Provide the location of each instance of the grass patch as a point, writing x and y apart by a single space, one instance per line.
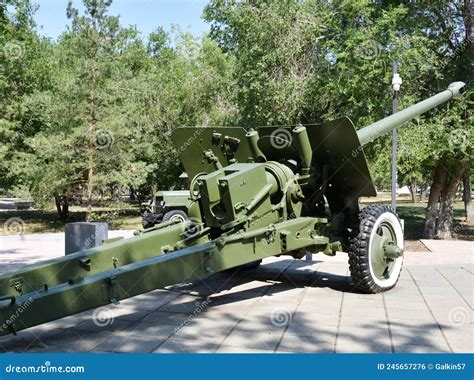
414 216
128 217
41 221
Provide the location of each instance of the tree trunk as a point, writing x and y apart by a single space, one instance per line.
57 201
445 221
422 192
90 159
90 152
91 136
132 194
467 194
66 208
413 191
468 15
62 207
439 181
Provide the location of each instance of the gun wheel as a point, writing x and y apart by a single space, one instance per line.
175 215
376 253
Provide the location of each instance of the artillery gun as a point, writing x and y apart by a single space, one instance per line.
253 194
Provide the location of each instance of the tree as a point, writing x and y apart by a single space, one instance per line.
24 69
315 60
101 124
97 60
187 84
82 144
453 145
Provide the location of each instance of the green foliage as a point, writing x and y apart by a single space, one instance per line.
317 60
25 67
103 98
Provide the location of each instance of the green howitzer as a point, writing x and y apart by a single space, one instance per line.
383 126
275 191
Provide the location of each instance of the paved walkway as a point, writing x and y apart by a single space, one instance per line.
284 306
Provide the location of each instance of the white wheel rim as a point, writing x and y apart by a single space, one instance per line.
392 220
178 217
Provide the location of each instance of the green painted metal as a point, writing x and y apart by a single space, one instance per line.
252 140
228 144
70 268
114 284
174 199
336 157
278 190
383 126
383 250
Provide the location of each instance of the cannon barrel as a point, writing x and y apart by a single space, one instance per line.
385 125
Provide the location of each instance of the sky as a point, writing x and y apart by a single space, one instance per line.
145 14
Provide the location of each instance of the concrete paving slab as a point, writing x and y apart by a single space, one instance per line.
196 334
226 322
405 305
454 247
121 343
311 330
460 338
71 340
318 342
178 346
308 318
148 330
261 341
375 339
241 350
402 315
433 338
166 318
411 349
358 312
349 345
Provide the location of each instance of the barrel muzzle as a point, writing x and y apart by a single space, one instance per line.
457 89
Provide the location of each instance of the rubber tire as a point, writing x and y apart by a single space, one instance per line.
359 250
170 214
149 220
